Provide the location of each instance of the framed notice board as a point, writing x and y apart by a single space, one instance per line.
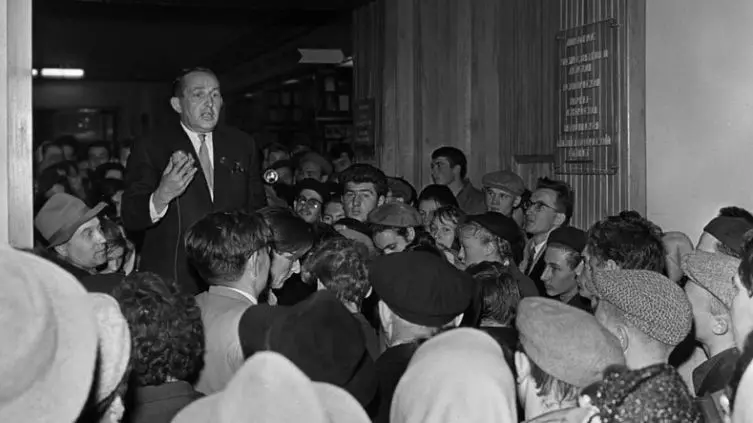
589 84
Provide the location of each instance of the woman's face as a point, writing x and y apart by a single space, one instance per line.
426 208
443 232
472 250
389 242
284 265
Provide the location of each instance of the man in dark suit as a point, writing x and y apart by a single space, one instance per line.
184 171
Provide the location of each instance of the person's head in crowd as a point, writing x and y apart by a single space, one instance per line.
98 153
342 156
72 230
312 165
310 197
623 241
231 249
69 145
109 191
742 304
108 171
646 311
564 262
448 166
166 328
51 154
400 191
273 153
710 290
725 232
292 238
49 350
676 246
284 169
75 178
364 189
197 99
333 210
551 207
458 376
490 237
300 146
124 152
420 294
51 181
340 265
503 191
433 197
499 292
83 167
397 227
356 230
562 350
120 253
443 227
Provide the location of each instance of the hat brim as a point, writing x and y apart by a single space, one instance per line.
61 393
65 234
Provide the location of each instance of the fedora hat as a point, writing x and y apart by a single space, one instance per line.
49 341
61 216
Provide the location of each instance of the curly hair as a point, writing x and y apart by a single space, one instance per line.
501 245
360 173
628 239
166 329
342 266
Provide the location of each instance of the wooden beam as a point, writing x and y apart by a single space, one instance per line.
636 67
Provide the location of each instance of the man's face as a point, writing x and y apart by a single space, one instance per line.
309 170
708 243
333 212
284 265
499 201
308 205
541 217
341 163
558 277
472 250
442 173
87 247
443 232
98 156
360 199
200 103
427 208
389 242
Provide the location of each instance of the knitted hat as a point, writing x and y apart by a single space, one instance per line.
421 287
399 215
729 231
566 342
650 301
713 272
506 181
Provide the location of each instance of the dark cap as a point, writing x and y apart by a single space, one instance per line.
421 287
401 188
570 237
729 231
319 187
506 181
499 225
397 215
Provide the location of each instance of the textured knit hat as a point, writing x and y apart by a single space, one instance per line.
506 181
398 215
61 216
653 394
421 287
566 342
713 272
570 237
650 301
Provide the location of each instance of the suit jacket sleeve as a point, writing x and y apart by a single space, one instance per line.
257 197
141 180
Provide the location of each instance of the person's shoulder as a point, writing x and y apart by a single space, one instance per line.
227 131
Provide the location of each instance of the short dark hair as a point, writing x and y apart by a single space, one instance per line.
439 193
499 291
166 329
290 233
342 266
361 173
454 156
572 257
341 148
220 244
628 239
565 201
99 144
179 83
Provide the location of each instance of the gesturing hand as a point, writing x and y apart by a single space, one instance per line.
178 174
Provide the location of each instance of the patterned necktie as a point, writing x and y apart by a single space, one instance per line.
531 258
206 163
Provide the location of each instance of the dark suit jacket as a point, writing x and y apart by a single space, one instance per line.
237 186
535 275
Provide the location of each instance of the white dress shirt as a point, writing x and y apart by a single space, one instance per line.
196 142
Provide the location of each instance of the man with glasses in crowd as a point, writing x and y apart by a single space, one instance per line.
310 196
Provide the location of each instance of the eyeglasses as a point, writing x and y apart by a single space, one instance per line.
309 202
540 205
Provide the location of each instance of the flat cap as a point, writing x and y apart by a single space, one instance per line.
506 181
729 231
499 225
570 237
421 287
566 342
650 301
399 215
713 272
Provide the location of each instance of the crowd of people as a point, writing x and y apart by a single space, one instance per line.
208 279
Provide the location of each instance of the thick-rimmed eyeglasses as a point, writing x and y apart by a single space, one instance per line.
309 202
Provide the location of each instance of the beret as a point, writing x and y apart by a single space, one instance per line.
713 272
319 187
401 188
650 301
421 287
399 215
569 237
729 231
504 180
318 159
566 342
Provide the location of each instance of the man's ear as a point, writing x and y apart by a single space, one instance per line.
611 265
60 249
385 315
411 235
559 219
622 335
517 201
721 325
579 268
175 104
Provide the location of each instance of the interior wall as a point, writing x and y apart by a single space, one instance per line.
699 108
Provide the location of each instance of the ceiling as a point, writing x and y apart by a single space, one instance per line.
152 40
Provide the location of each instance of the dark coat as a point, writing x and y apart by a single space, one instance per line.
237 186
